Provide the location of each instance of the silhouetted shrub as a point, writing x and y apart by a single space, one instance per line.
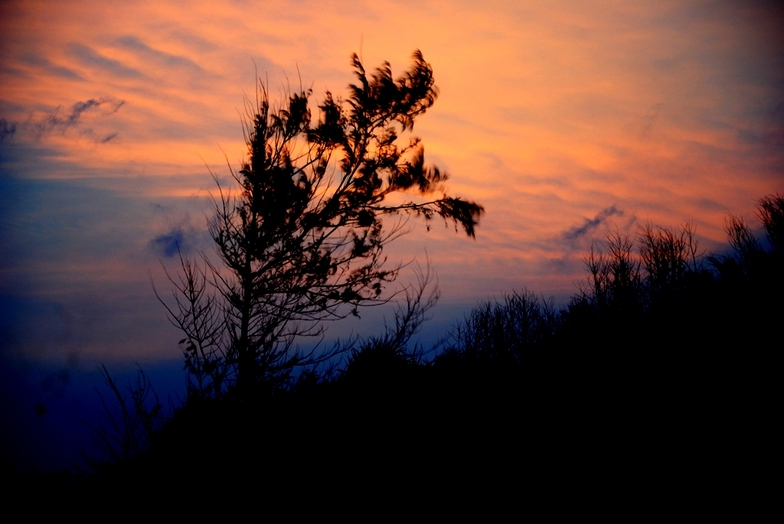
504 331
131 416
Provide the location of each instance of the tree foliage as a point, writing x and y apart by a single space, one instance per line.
300 238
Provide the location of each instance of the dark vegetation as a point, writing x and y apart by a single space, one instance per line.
663 359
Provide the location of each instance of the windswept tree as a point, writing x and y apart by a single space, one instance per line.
300 238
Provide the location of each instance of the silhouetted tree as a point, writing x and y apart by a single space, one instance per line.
300 238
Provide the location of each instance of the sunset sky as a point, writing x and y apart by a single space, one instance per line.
564 119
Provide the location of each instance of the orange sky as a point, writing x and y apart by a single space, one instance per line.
562 118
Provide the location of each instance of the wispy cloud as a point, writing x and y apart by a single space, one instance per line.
169 244
194 41
51 68
95 60
590 225
650 119
58 121
6 131
162 59
178 237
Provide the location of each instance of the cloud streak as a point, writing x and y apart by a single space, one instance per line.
96 61
51 68
163 60
590 225
175 241
7 131
60 122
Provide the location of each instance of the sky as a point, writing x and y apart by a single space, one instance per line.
564 119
